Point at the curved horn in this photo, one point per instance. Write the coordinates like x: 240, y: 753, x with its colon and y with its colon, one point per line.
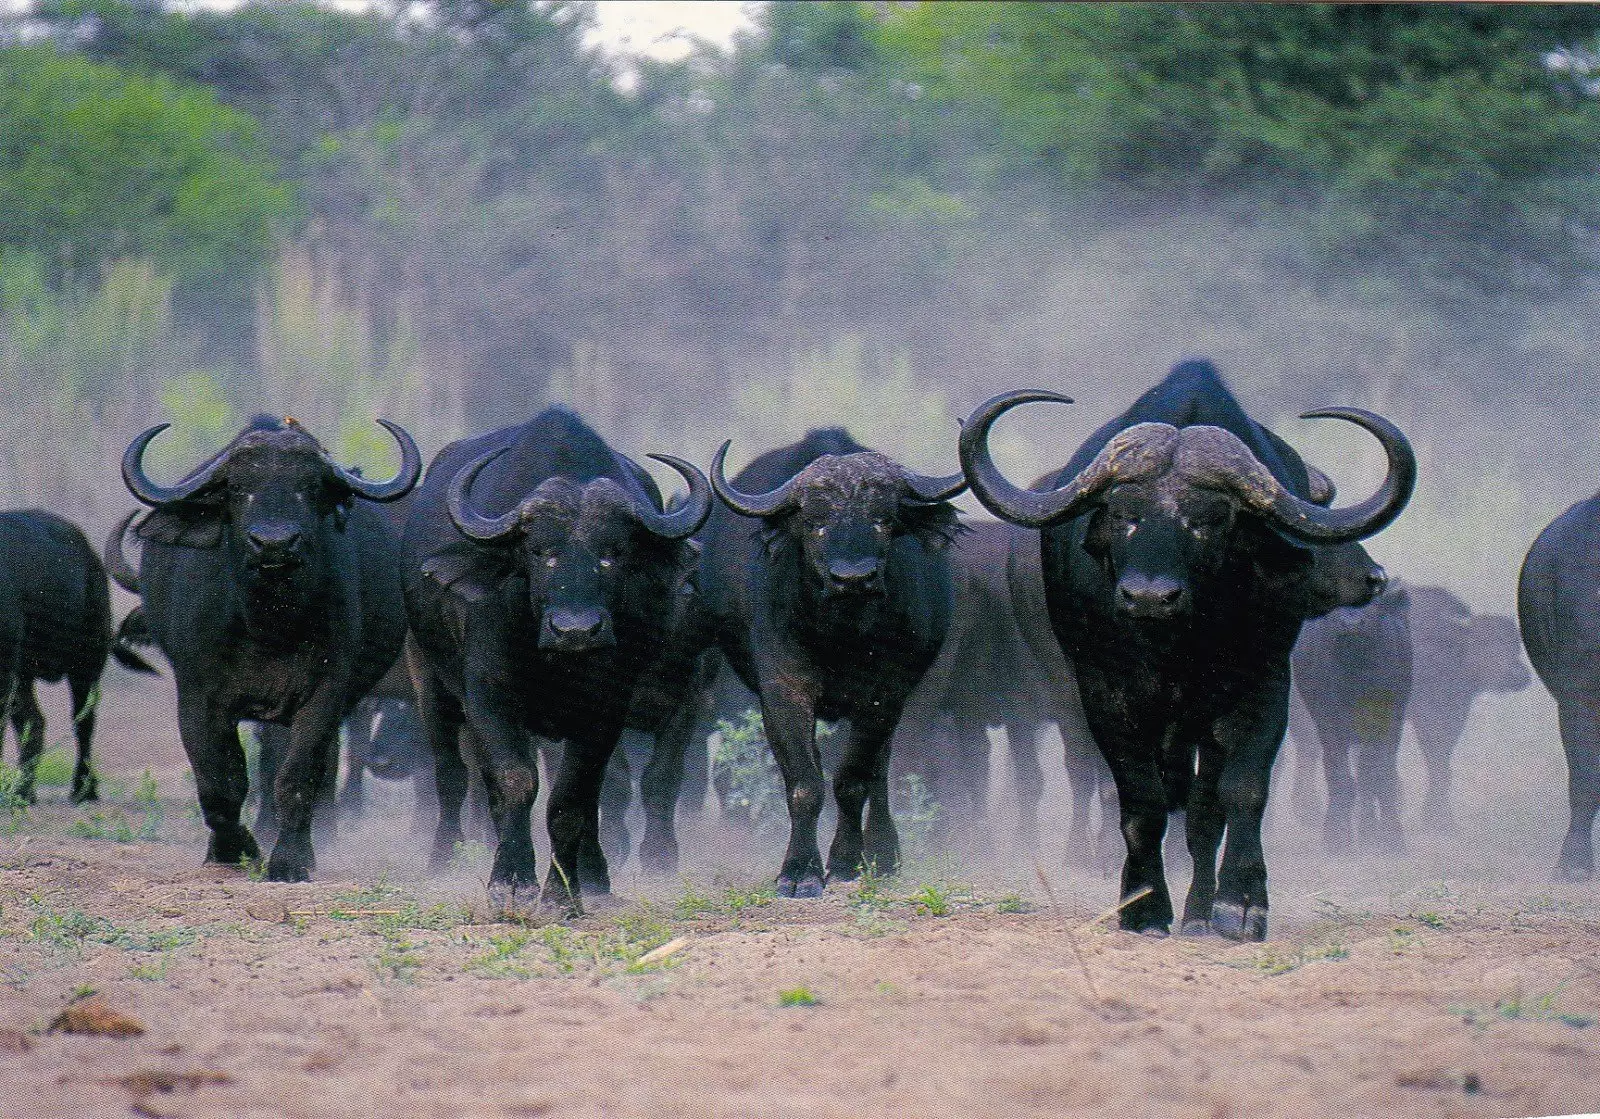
x: 930, y: 489
x: 1006, y: 501
x: 683, y: 521
x: 470, y: 523
x: 396, y: 487
x: 117, y: 565
x: 1309, y: 522
x: 748, y: 504
x: 140, y: 485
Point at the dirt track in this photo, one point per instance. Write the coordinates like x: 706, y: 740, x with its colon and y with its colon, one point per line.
x: 1451, y: 982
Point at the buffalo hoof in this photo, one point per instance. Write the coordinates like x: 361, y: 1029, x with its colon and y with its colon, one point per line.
x: 1239, y: 922
x: 288, y: 868
x: 807, y: 886
x: 1195, y: 929
x: 512, y: 900
x: 231, y: 849
x: 85, y: 789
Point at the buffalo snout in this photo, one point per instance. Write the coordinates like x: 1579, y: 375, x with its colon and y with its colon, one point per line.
x: 1151, y: 596
x: 273, y: 544
x: 859, y: 576
x: 575, y: 630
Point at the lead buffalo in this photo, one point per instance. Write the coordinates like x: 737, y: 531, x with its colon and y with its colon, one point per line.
x: 539, y: 570
x: 55, y: 621
x: 1558, y: 604
x: 826, y: 580
x: 272, y: 588
x: 1177, y: 551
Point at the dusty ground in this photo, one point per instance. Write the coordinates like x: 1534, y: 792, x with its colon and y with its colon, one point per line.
x: 1453, y: 981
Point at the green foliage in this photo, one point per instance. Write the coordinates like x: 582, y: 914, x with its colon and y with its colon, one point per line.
x: 745, y: 775
x: 98, y: 164
x: 1412, y: 127
x: 54, y: 769
x: 797, y: 996
x: 1519, y: 1007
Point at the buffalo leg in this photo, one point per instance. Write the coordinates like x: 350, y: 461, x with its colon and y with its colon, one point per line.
x: 1203, y: 824
x: 1378, y: 786
x: 28, y: 721
x: 211, y: 739
x: 1580, y: 739
x: 302, y: 782
x: 861, y: 786
x: 442, y: 720
x: 611, y: 842
x: 791, y: 728
x: 1249, y: 737
x: 574, y: 818
x: 85, y: 699
x: 358, y: 747
x: 273, y: 741
x: 1338, y: 832
x: 664, y: 778
x: 1027, y: 781
x: 1438, y: 731
x: 510, y: 775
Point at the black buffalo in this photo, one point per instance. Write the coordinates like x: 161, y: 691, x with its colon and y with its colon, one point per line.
x: 273, y: 589
x: 1353, y: 672
x: 55, y: 621
x: 1457, y: 656
x: 539, y: 571
x: 1178, y: 558
x: 827, y: 583
x: 1558, y: 606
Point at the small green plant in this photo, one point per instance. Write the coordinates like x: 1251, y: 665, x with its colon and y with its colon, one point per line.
x: 470, y: 856
x: 13, y: 804
x: 1403, y: 939
x: 1432, y: 920
x: 931, y: 901
x: 147, y: 794
x: 1271, y: 961
x: 1012, y: 903
x: 114, y: 826
x: 504, y: 948
x: 871, y: 893
x: 398, y: 960
x: 54, y: 770
x: 1517, y: 1007
x: 797, y: 996
x: 152, y: 972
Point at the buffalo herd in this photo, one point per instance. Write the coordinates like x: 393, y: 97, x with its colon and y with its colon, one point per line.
x: 1178, y: 594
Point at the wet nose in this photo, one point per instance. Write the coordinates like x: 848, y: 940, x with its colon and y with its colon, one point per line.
x: 854, y: 574
x: 268, y: 540
x: 577, y: 623
x: 1150, y: 595
x: 1377, y: 581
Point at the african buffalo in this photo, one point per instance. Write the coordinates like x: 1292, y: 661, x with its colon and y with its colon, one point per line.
x: 273, y: 589
x: 1457, y: 655
x: 1177, y: 550
x: 55, y: 621
x: 1353, y: 671
x: 828, y: 586
x: 539, y: 572
x: 1558, y: 606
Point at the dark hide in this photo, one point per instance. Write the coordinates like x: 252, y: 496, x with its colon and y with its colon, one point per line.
x: 273, y: 591
x: 1558, y: 606
x: 832, y: 607
x: 1177, y: 590
x: 55, y: 622
x: 543, y: 632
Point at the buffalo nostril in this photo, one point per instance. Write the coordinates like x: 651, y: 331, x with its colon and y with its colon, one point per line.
x: 1139, y: 592
x: 273, y: 540
x: 856, y: 574
x: 568, y: 623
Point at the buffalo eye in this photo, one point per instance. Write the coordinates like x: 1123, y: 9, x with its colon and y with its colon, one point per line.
x: 883, y: 528
x: 819, y: 532
x: 607, y: 562
x: 550, y: 560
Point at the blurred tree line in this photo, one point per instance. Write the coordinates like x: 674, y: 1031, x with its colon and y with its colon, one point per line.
x: 454, y: 210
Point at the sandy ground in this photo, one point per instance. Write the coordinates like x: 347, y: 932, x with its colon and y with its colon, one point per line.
x: 1451, y: 981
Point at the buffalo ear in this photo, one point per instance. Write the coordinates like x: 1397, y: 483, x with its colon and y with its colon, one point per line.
x: 470, y: 571
x: 186, y: 525
x: 935, y: 526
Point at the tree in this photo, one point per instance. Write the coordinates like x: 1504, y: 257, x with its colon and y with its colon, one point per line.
x: 97, y: 164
